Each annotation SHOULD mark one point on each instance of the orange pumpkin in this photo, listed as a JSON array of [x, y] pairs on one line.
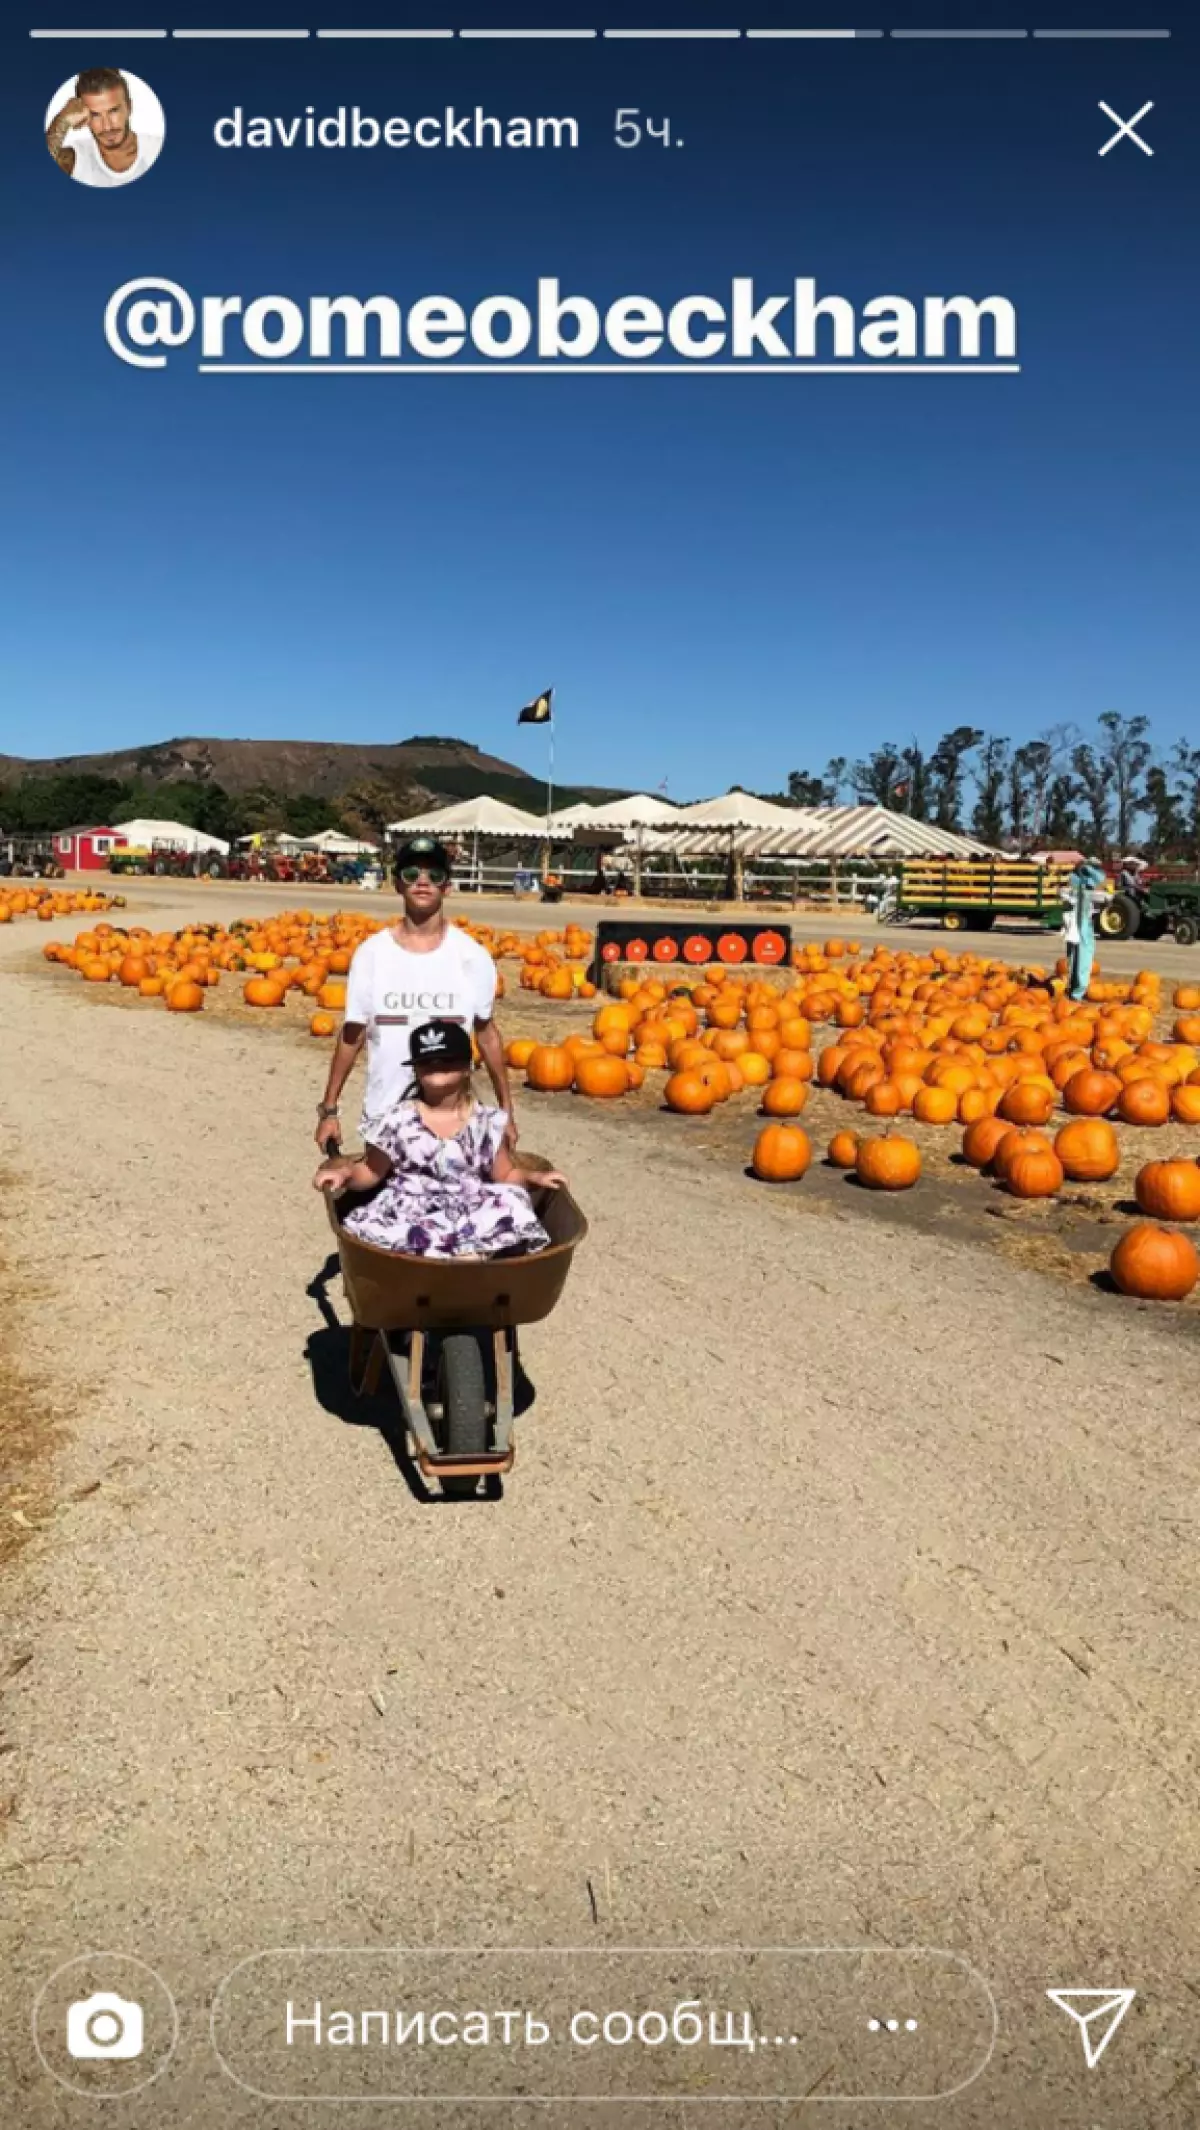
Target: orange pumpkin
[[261, 991], [935, 1105], [1026, 1102], [782, 1152], [187, 997], [519, 1052], [842, 1151], [1169, 1190], [982, 1138], [1185, 1101], [889, 1163], [690, 1092], [550, 1067], [322, 1024], [1156, 1264], [784, 1098], [1088, 1149], [1014, 1143], [602, 1077], [1090, 1093], [1034, 1172], [1145, 1101]]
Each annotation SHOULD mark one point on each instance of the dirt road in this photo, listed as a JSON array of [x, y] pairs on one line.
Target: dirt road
[[843, 1592]]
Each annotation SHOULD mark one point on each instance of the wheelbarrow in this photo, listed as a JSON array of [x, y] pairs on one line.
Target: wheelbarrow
[[430, 1321]]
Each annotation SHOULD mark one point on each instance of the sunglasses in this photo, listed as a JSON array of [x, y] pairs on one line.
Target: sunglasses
[[436, 875]]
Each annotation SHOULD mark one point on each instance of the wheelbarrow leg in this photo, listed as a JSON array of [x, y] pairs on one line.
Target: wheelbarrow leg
[[366, 1360], [504, 1347]]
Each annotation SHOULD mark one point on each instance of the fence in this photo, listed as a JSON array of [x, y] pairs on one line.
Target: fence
[[812, 883]]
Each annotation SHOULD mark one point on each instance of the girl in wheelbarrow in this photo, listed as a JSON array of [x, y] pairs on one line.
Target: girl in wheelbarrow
[[444, 1183]]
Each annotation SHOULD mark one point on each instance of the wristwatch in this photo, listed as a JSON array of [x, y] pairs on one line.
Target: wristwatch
[[327, 1109]]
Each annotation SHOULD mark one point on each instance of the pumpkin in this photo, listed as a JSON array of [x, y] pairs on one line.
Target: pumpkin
[[935, 1105], [1187, 1028], [332, 996], [842, 1151], [262, 991], [1088, 1150], [1187, 998], [1016, 1142], [187, 997], [786, 1098], [690, 1092], [1156, 1264], [754, 1068], [602, 1077], [1169, 1190], [322, 1024], [1185, 1101], [782, 1152], [883, 1099], [1033, 1172], [1026, 1102], [1145, 1101], [550, 1068], [519, 1053], [1090, 1093], [888, 1163], [981, 1139]]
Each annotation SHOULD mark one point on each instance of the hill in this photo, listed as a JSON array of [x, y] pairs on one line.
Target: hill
[[229, 786], [449, 768]]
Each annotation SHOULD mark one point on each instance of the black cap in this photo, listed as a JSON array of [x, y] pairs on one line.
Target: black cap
[[440, 1043], [422, 850]]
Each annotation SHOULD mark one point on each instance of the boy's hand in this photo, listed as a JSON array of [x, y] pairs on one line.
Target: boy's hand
[[550, 1177], [330, 1176]]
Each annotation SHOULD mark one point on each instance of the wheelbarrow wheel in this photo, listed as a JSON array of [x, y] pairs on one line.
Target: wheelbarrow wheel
[[462, 1395]]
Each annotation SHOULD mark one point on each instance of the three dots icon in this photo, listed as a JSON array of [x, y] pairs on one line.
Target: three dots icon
[[891, 2026]]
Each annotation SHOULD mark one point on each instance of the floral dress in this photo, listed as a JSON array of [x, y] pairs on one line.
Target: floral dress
[[438, 1200]]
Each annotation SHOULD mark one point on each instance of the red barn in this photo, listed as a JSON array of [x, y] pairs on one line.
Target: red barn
[[85, 850]]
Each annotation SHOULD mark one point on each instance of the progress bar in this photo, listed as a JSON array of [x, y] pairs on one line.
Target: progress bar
[[626, 36]]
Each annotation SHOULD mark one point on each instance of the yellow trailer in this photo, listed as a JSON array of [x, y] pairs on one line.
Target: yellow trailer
[[968, 894]]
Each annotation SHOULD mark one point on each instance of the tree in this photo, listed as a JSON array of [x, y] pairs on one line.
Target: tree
[[804, 789], [1059, 828], [1125, 753], [875, 779], [1168, 829], [367, 808], [1186, 764], [992, 776], [307, 815], [1092, 773], [837, 769], [946, 766], [916, 783]]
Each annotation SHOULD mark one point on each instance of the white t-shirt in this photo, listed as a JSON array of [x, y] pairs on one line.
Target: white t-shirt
[[390, 991], [91, 168]]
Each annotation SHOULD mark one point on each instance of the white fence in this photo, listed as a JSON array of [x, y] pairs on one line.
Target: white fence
[[819, 883]]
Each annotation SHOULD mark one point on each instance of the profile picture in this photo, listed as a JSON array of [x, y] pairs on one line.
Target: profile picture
[[105, 126]]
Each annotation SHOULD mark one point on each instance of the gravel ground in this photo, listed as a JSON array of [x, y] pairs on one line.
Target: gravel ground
[[843, 1592]]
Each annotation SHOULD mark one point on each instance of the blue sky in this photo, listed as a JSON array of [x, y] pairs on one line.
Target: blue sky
[[724, 578]]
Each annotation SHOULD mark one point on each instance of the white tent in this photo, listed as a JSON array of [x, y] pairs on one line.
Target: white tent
[[638, 811], [336, 845], [572, 817], [825, 832], [176, 833], [734, 809], [471, 817]]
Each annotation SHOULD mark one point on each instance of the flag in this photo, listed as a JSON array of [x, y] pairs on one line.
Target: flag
[[538, 712]]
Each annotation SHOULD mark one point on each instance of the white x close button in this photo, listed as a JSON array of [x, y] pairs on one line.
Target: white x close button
[[1125, 128]]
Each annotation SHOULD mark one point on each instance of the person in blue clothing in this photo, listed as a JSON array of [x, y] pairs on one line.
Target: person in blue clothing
[[1079, 930]]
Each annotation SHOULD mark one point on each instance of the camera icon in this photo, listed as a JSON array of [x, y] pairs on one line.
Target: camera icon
[[105, 2025]]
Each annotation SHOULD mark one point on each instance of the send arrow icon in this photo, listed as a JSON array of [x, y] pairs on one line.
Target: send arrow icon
[[1097, 2013]]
